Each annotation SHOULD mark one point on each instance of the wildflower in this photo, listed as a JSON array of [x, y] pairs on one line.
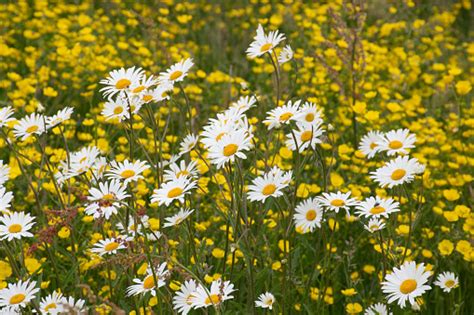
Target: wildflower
[[178, 218], [398, 171], [109, 246], [374, 225], [282, 115], [265, 300], [5, 199], [463, 87], [106, 199], [445, 247], [397, 142], [229, 147], [33, 124], [18, 294], [406, 283], [377, 207], [183, 169], [60, 117], [353, 308], [171, 190], [269, 184], [177, 72], [188, 144], [309, 116], [4, 172], [285, 55], [142, 85], [116, 109], [304, 138], [377, 309], [219, 292], [135, 227], [71, 305], [6, 114], [447, 281], [308, 215], [52, 304], [120, 81], [264, 43], [244, 103], [368, 145], [80, 162], [182, 301], [148, 284], [160, 93], [337, 201], [127, 171], [15, 225]]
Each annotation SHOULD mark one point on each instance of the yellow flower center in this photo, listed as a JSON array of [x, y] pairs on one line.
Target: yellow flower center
[[266, 47], [127, 173], [138, 89], [374, 227], [230, 149], [449, 283], [32, 129], [149, 282], [311, 215], [373, 145], [189, 299], [111, 246], [408, 286], [398, 174], [147, 98], [269, 189], [395, 144], [123, 84], [306, 136], [17, 298], [338, 203], [182, 173], [219, 136], [15, 228], [118, 110], [309, 117], [284, 117], [212, 299], [377, 210], [108, 197], [175, 75], [175, 192], [50, 306]]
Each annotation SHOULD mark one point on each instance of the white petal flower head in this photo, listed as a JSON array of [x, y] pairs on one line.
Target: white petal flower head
[[309, 115], [105, 199], [120, 81], [116, 109], [219, 292], [178, 218], [377, 309], [18, 295], [374, 225], [244, 103], [52, 304], [183, 300], [397, 142], [16, 225], [188, 144], [265, 300], [33, 124], [73, 306], [60, 117], [231, 146], [175, 189], [182, 169], [6, 114], [369, 143], [149, 284], [177, 72], [145, 83], [4, 172], [308, 215], [447, 281], [270, 184], [285, 55], [264, 43], [377, 207], [304, 137], [282, 115], [162, 92], [337, 201], [5, 199], [406, 283], [109, 246], [127, 171], [398, 171]]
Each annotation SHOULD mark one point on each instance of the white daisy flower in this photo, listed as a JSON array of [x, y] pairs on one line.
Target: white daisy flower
[[265, 300], [308, 215], [6, 115], [127, 171], [178, 218], [406, 283], [377, 207], [52, 304], [143, 84], [188, 144], [230, 147], [10, 310], [374, 225], [80, 162], [285, 55], [148, 283], [33, 124], [218, 293], [244, 103], [304, 137], [116, 109], [337, 201], [183, 169], [183, 300], [121, 80], [377, 309], [109, 246], [398, 171], [162, 92], [282, 115], [397, 142], [5, 199], [309, 115], [4, 172], [19, 294], [172, 190], [98, 168], [269, 184], [177, 72], [16, 225], [60, 117], [264, 43], [369, 143], [73, 306], [105, 200], [447, 281]]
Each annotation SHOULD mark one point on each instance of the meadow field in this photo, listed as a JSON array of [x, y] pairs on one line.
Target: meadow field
[[236, 157]]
